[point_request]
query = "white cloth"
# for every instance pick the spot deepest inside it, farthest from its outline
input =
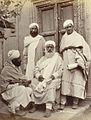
(50, 42)
(49, 106)
(74, 49)
(50, 63)
(33, 24)
(12, 54)
(49, 93)
(67, 22)
(47, 72)
(32, 42)
(17, 95)
(75, 40)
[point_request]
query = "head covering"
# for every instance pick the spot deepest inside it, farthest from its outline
(67, 22)
(50, 42)
(12, 54)
(33, 24)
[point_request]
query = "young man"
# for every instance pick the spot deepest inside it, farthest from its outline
(47, 79)
(33, 49)
(76, 56)
(14, 82)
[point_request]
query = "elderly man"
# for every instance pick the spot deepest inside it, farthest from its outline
(47, 79)
(76, 56)
(33, 49)
(15, 92)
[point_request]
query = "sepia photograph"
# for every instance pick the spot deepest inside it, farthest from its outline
(45, 59)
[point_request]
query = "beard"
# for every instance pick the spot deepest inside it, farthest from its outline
(33, 34)
(16, 63)
(49, 54)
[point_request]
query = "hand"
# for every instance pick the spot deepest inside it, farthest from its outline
(26, 83)
(40, 78)
(49, 82)
(52, 77)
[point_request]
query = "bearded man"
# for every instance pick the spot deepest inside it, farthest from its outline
(33, 49)
(76, 58)
(47, 79)
(13, 84)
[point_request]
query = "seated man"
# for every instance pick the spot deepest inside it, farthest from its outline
(47, 79)
(13, 85)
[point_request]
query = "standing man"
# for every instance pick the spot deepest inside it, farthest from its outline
(76, 56)
(33, 49)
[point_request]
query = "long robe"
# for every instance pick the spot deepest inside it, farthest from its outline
(15, 94)
(73, 47)
(33, 51)
(43, 92)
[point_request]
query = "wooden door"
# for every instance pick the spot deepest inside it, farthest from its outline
(47, 19)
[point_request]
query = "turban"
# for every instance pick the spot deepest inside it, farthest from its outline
(50, 42)
(33, 24)
(12, 54)
(67, 22)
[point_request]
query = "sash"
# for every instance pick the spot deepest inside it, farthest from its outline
(32, 44)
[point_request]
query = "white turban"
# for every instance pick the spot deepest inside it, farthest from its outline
(33, 24)
(12, 54)
(67, 22)
(50, 42)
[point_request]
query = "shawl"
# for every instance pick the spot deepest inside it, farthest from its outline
(75, 40)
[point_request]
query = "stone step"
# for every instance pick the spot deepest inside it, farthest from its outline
(65, 114)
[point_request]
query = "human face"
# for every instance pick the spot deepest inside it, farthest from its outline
(17, 61)
(34, 31)
(50, 48)
(69, 29)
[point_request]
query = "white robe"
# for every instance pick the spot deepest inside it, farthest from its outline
(44, 92)
(73, 81)
(33, 49)
(15, 94)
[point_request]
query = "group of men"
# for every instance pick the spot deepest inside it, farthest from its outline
(49, 76)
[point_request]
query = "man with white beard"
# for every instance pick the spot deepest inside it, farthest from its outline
(47, 79)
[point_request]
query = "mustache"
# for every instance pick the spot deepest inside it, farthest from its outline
(46, 51)
(49, 50)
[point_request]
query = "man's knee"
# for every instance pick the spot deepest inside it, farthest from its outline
(21, 87)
